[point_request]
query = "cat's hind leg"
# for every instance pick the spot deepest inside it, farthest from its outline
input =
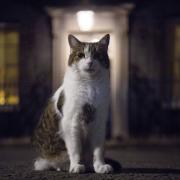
(41, 164)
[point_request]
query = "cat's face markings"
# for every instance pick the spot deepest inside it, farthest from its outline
(89, 57)
(87, 51)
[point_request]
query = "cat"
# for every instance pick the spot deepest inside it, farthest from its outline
(73, 124)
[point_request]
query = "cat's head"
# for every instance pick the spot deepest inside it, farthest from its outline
(89, 58)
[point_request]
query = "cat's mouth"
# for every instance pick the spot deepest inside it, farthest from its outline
(90, 70)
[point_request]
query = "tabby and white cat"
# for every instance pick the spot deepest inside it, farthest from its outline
(73, 123)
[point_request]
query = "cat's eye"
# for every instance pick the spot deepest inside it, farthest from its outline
(81, 55)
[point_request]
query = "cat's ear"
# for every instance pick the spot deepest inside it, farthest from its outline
(73, 41)
(105, 41)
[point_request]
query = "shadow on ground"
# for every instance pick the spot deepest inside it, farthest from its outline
(143, 163)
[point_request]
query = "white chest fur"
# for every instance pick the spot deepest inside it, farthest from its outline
(80, 91)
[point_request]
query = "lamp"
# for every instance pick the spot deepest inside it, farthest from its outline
(85, 20)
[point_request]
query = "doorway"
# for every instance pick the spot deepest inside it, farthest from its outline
(112, 20)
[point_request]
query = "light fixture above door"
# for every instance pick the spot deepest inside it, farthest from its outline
(85, 20)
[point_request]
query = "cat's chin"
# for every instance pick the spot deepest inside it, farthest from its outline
(90, 70)
(91, 73)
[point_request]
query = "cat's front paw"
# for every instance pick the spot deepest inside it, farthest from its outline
(103, 168)
(77, 168)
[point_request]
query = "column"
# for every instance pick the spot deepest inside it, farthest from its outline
(58, 63)
(120, 76)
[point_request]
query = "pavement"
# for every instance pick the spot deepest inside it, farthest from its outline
(136, 162)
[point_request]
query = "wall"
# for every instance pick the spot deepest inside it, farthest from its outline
(34, 64)
(148, 67)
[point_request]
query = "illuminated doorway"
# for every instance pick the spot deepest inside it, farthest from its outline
(112, 20)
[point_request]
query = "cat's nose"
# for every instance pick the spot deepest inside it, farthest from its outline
(90, 64)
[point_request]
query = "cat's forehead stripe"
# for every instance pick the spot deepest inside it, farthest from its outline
(87, 50)
(90, 50)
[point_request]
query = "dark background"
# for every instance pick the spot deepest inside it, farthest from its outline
(150, 103)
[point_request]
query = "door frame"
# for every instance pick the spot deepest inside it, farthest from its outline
(120, 69)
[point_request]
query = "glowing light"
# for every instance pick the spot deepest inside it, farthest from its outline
(10, 100)
(2, 97)
(13, 100)
(85, 20)
(95, 40)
